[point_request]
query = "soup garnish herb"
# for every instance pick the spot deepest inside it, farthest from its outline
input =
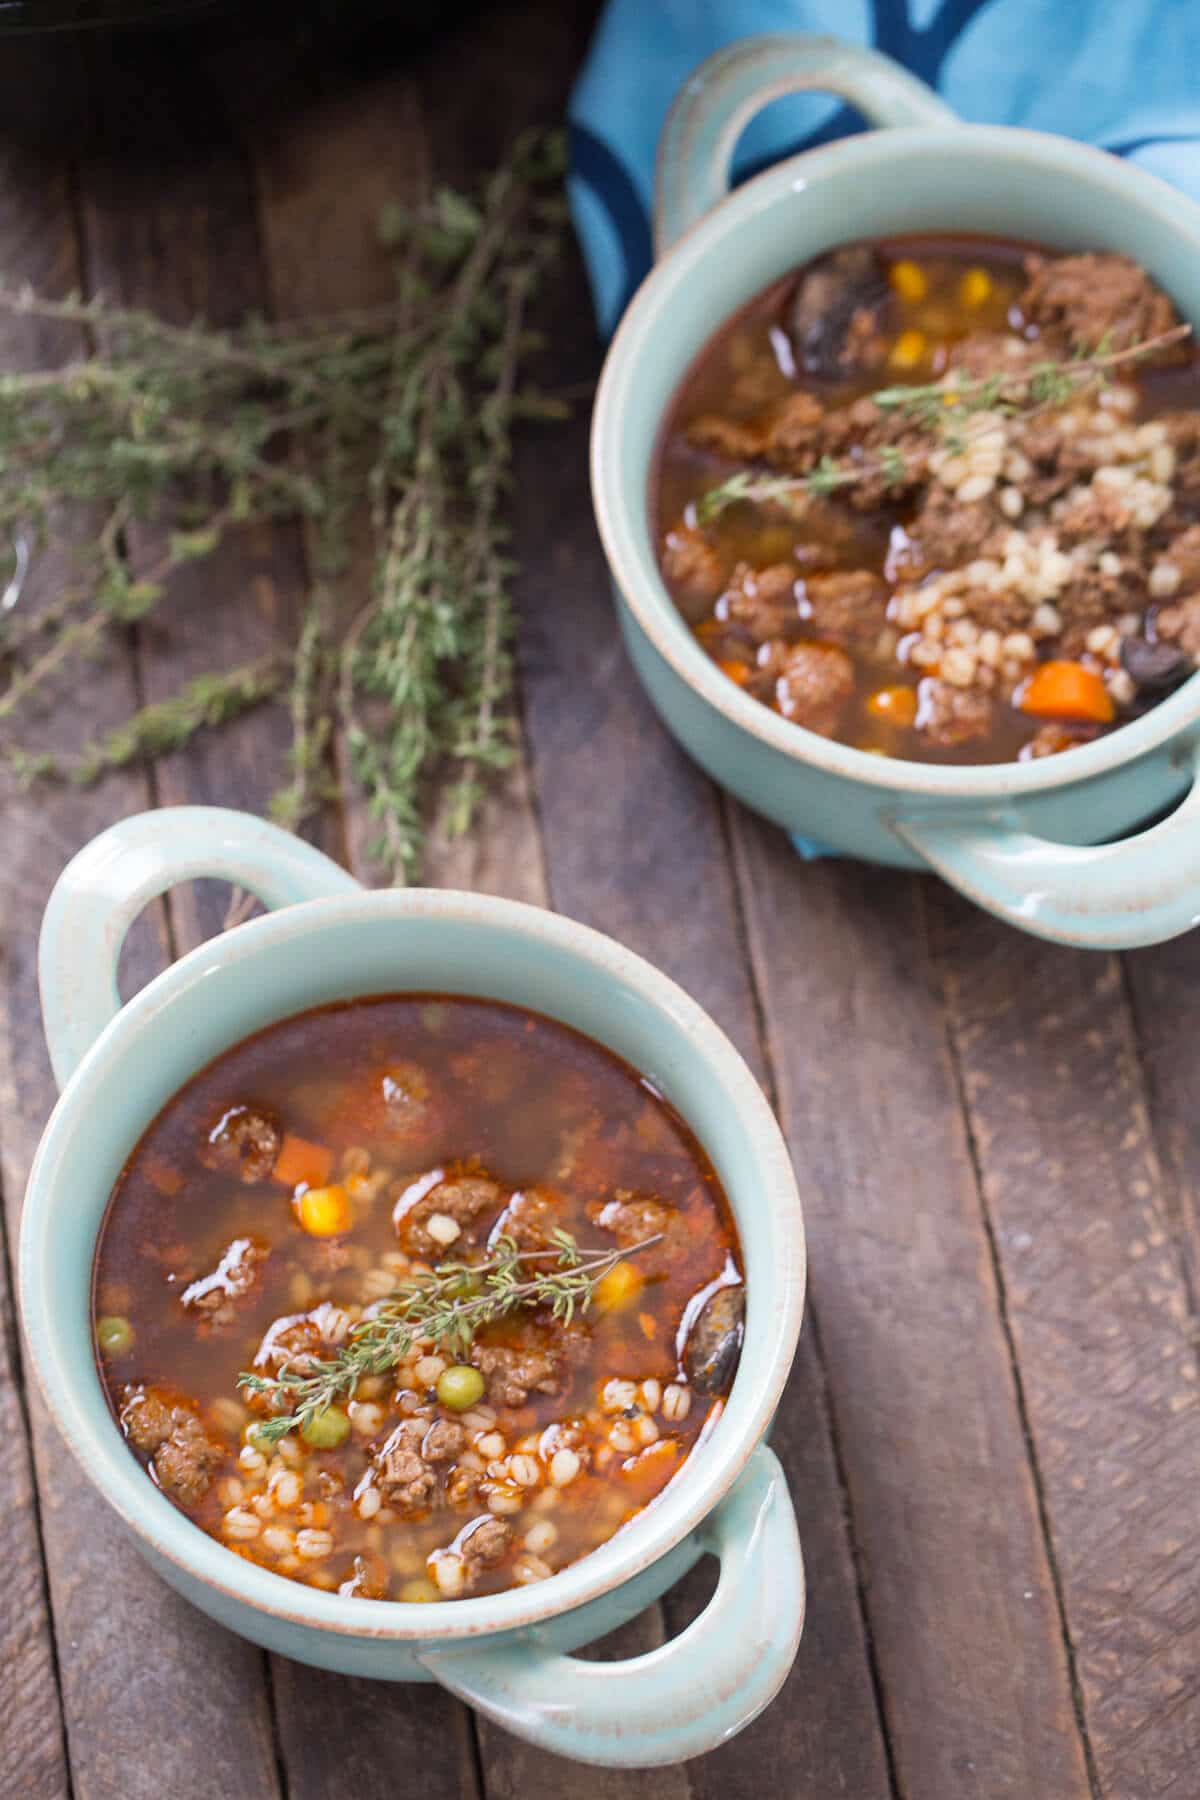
(939, 408)
(416, 1297)
(939, 498)
(446, 1307)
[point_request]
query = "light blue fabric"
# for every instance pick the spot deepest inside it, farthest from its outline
(1121, 74)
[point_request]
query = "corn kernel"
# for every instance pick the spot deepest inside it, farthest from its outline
(898, 705)
(619, 1288)
(323, 1212)
(975, 287)
(908, 280)
(907, 350)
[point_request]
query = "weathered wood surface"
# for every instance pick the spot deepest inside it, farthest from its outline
(960, 1592)
(314, 182)
(1102, 1322)
(105, 1603)
(991, 1432)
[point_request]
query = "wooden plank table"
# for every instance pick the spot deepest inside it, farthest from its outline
(992, 1431)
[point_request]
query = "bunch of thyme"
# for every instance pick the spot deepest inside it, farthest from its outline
(408, 408)
(446, 1308)
(940, 409)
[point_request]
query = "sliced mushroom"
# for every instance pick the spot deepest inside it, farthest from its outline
(1154, 666)
(714, 1342)
(833, 317)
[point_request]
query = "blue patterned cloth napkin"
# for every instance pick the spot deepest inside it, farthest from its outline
(1122, 74)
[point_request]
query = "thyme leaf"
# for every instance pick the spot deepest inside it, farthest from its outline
(446, 1308)
(940, 409)
(404, 662)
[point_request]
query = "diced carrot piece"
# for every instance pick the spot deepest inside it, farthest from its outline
(1068, 690)
(301, 1164)
(736, 671)
(323, 1211)
(898, 705)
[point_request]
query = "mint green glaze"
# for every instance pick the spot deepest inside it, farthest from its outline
(334, 940)
(1003, 833)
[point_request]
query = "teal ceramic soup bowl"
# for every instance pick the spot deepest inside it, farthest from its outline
(1012, 835)
(329, 939)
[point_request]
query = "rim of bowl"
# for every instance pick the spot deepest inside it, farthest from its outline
(636, 573)
(701, 1483)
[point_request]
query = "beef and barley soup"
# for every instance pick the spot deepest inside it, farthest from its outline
(939, 498)
(416, 1297)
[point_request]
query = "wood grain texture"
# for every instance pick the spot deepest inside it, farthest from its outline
(153, 240)
(634, 845)
(1164, 989)
(32, 1752)
(959, 1590)
(331, 175)
(1098, 1307)
(106, 1603)
(36, 243)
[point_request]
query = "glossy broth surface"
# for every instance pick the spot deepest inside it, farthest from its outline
(414, 1095)
(945, 298)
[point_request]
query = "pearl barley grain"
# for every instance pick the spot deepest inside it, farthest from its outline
(240, 1525)
(564, 1467)
(449, 1576)
(677, 1403)
(313, 1544)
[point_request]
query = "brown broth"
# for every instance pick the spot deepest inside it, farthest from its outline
(746, 367)
(538, 1105)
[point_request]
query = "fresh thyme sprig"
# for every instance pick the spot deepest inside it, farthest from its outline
(402, 660)
(939, 408)
(446, 1308)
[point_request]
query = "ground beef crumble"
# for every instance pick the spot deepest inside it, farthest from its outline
(482, 1544)
(513, 1374)
(1070, 531)
(242, 1142)
(401, 1471)
(237, 1273)
(1092, 299)
(814, 684)
(463, 1199)
(951, 715)
(168, 1430)
(847, 604)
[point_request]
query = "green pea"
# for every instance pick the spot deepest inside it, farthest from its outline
(114, 1335)
(419, 1591)
(460, 1387)
(326, 1430)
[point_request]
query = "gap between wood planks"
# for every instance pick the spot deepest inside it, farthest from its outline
(812, 1319)
(103, 1598)
(954, 1052)
(1098, 1305)
(373, 148)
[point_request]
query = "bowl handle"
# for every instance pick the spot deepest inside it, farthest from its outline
(1119, 896)
(687, 1696)
(719, 99)
(103, 889)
